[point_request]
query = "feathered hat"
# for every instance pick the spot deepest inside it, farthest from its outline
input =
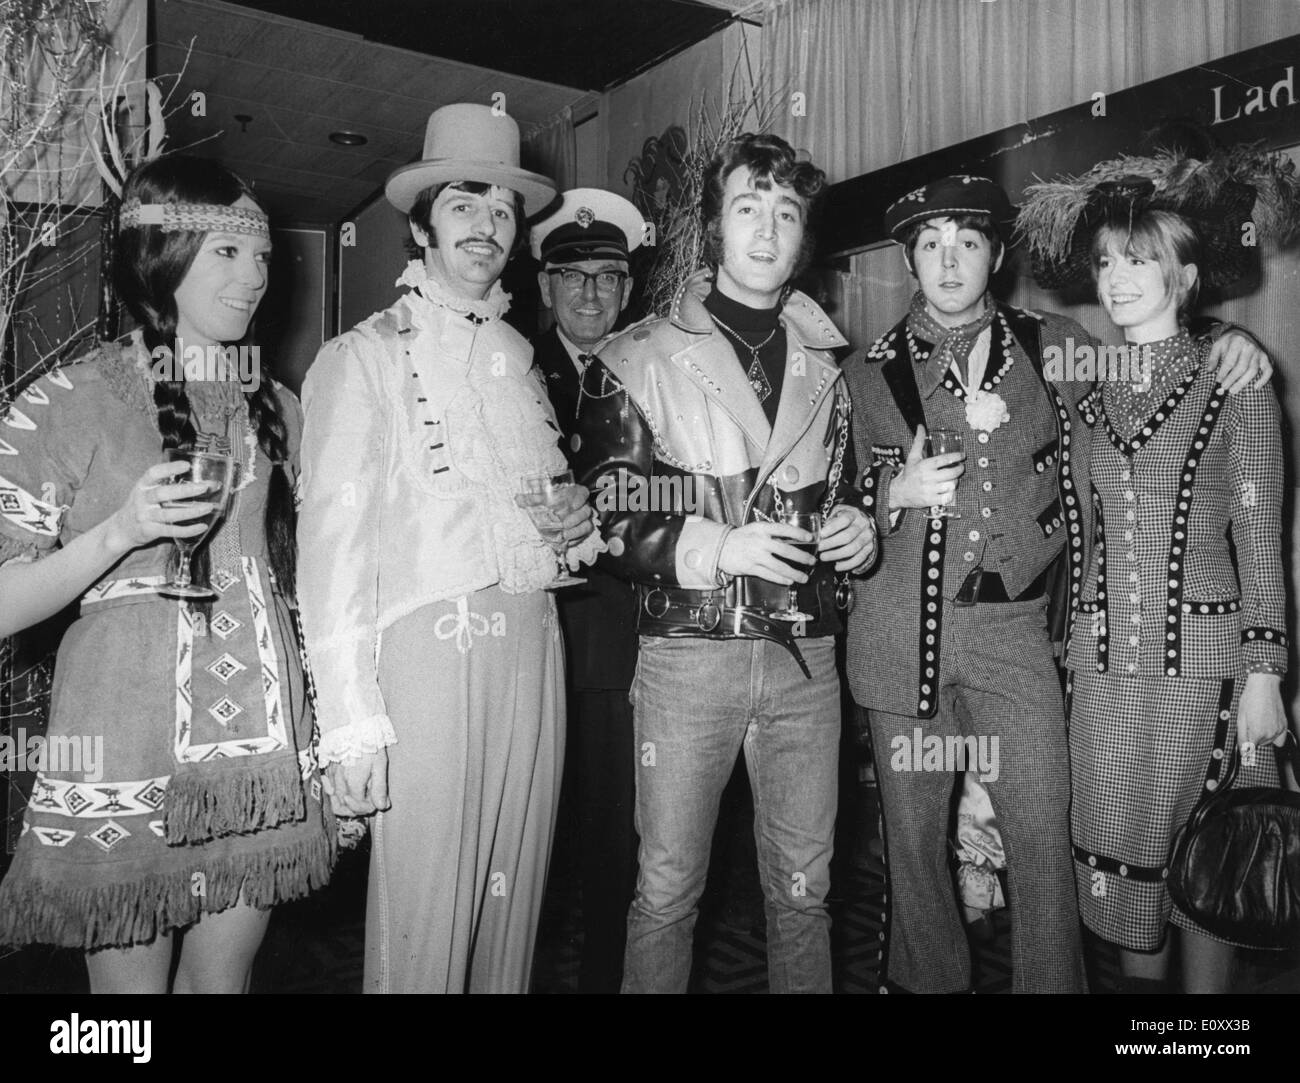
(1217, 193)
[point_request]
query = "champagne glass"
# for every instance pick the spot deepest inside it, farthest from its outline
(549, 486)
(810, 521)
(943, 441)
(219, 472)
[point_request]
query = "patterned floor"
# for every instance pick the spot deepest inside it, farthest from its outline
(315, 946)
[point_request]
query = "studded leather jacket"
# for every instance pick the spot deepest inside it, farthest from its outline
(678, 453)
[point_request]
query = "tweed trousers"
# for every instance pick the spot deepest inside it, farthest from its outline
(998, 684)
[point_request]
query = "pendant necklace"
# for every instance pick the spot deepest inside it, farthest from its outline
(757, 377)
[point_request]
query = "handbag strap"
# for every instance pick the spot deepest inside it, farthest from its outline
(1288, 749)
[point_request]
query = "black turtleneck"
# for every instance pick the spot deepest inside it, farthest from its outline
(753, 325)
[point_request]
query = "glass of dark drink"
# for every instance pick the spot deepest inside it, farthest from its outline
(810, 521)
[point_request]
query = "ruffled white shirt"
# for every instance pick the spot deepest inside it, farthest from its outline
(421, 424)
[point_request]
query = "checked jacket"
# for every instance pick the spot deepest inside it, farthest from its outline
(1163, 595)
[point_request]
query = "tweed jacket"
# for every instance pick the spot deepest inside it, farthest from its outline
(1019, 497)
(668, 400)
(599, 617)
(1163, 595)
(420, 425)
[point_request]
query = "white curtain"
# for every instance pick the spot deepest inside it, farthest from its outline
(883, 81)
(887, 80)
(551, 149)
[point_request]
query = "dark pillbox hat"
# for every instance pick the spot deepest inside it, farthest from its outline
(950, 196)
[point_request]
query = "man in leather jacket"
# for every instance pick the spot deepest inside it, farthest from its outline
(695, 432)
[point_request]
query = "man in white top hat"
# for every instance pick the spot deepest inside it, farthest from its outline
(435, 649)
(584, 248)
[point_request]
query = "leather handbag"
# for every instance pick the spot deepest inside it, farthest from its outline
(1236, 862)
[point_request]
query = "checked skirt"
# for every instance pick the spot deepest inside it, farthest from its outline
(1141, 750)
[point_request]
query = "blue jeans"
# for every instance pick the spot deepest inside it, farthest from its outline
(697, 703)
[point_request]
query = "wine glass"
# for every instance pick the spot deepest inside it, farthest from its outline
(219, 472)
(943, 441)
(810, 521)
(549, 486)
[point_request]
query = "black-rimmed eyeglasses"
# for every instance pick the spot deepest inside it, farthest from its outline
(574, 279)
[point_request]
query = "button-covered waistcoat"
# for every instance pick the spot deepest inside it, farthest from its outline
(1019, 497)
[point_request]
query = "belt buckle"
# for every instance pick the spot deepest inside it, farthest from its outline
(844, 596)
(656, 606)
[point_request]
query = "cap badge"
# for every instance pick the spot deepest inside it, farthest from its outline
(584, 216)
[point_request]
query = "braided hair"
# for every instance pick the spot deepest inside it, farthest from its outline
(149, 268)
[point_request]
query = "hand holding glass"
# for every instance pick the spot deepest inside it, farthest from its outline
(810, 521)
(942, 441)
(219, 472)
(550, 487)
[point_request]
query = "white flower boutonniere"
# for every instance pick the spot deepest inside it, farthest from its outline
(986, 410)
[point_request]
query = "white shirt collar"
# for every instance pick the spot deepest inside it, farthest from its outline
(575, 352)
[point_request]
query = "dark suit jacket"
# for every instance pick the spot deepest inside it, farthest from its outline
(599, 619)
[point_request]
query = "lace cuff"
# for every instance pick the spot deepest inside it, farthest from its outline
(586, 551)
(363, 738)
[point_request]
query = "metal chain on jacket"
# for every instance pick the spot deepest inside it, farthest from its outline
(837, 461)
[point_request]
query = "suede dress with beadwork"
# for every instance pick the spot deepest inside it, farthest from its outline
(201, 787)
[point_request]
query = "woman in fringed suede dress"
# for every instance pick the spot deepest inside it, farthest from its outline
(200, 808)
(1178, 650)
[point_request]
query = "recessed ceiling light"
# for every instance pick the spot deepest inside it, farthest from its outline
(348, 139)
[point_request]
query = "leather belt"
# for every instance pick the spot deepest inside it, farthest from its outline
(680, 613)
(981, 586)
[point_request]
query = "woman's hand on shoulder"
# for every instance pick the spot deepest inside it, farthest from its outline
(144, 516)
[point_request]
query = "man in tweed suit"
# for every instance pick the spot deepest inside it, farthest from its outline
(951, 636)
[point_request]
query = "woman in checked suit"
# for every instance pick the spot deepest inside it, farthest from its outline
(1178, 650)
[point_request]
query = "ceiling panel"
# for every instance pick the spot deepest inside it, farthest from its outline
(299, 82)
(587, 44)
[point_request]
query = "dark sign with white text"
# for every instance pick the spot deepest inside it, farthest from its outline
(1248, 97)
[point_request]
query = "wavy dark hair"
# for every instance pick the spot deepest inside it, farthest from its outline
(771, 160)
(149, 267)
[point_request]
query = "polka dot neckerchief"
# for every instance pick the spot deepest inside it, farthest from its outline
(1172, 361)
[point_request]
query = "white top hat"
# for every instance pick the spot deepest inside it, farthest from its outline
(469, 143)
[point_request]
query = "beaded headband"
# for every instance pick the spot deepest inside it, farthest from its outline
(195, 217)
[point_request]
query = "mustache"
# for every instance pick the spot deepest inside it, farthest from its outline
(479, 240)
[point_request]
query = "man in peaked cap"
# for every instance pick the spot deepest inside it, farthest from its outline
(584, 248)
(951, 639)
(434, 645)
